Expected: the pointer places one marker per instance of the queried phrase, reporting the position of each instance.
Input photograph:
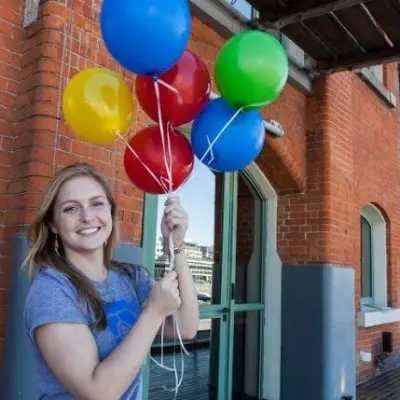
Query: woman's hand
(174, 221)
(164, 298)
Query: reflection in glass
(200, 380)
(200, 196)
(248, 247)
(246, 353)
(366, 259)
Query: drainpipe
(271, 126)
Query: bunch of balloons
(150, 38)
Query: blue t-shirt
(53, 298)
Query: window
(244, 8)
(377, 71)
(373, 258)
(374, 77)
(366, 260)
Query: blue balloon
(147, 37)
(237, 146)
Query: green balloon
(251, 69)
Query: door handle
(225, 311)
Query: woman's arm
(71, 353)
(188, 314)
(175, 223)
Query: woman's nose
(86, 214)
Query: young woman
(92, 321)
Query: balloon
(238, 145)
(97, 105)
(147, 37)
(148, 146)
(251, 69)
(191, 80)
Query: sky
(197, 197)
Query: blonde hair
(43, 252)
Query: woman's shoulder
(48, 280)
(49, 274)
(51, 298)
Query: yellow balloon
(98, 105)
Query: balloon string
(165, 84)
(159, 181)
(211, 145)
(168, 160)
(225, 127)
(168, 86)
(170, 132)
(161, 124)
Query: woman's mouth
(88, 231)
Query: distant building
(200, 259)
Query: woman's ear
(53, 228)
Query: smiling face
(82, 215)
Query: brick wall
(352, 159)
(11, 36)
(324, 168)
(376, 166)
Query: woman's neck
(90, 264)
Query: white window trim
(379, 251)
(273, 288)
(377, 313)
(377, 85)
(369, 316)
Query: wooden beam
(319, 39)
(299, 13)
(340, 24)
(377, 26)
(363, 60)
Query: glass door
(224, 252)
(247, 297)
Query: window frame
(378, 258)
(367, 300)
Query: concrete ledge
(31, 12)
(373, 317)
(381, 90)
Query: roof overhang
(337, 35)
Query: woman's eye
(98, 204)
(70, 210)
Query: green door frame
(148, 244)
(228, 259)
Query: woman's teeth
(88, 231)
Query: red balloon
(147, 144)
(190, 77)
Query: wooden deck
(196, 380)
(195, 383)
(382, 387)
